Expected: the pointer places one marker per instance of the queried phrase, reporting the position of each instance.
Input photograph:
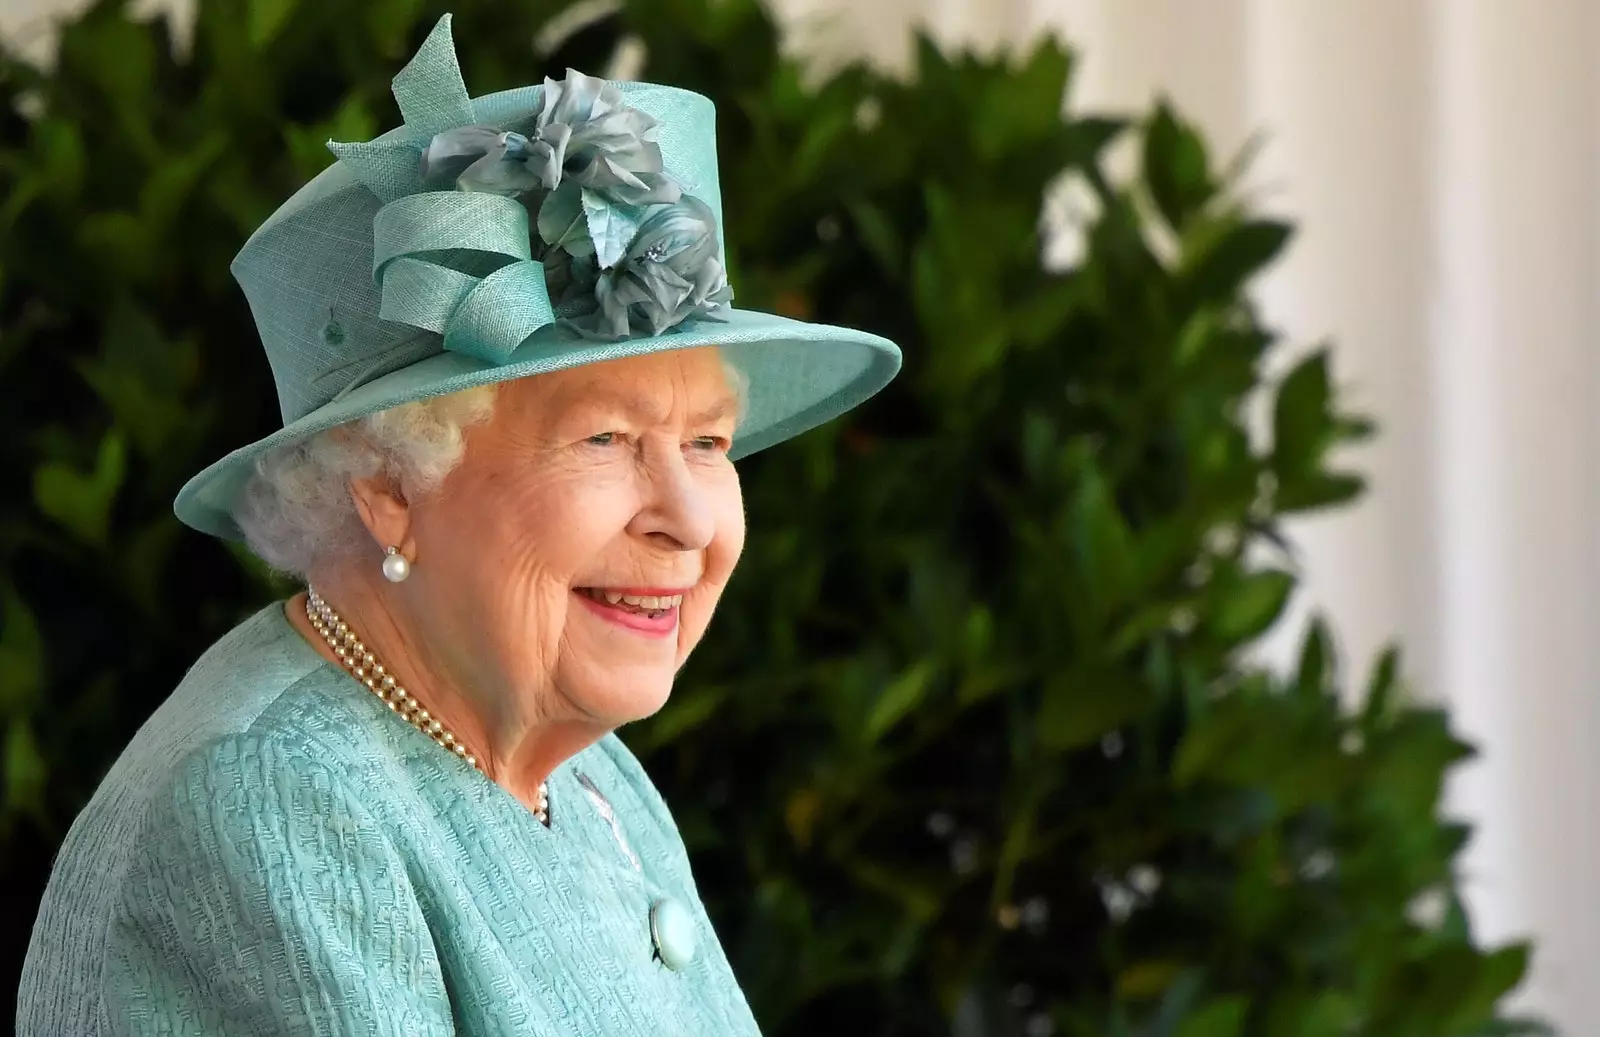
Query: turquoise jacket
(277, 853)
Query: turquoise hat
(496, 237)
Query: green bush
(975, 745)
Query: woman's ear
(384, 510)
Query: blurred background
(1439, 161)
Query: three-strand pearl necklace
(366, 668)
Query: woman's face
(586, 488)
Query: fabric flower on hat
(582, 134)
(624, 250)
(609, 147)
(669, 274)
(497, 162)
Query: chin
(622, 699)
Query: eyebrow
(727, 406)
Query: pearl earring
(395, 565)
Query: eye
(709, 443)
(602, 439)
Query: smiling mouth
(653, 606)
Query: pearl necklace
(369, 671)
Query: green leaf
(391, 24)
(879, 235)
(1496, 974)
(1221, 270)
(25, 771)
(1209, 742)
(1329, 1013)
(267, 18)
(121, 243)
(21, 656)
(1081, 707)
(986, 681)
(1104, 544)
(62, 158)
(82, 501)
(1504, 970)
(1382, 689)
(170, 189)
(1318, 490)
(145, 555)
(1198, 332)
(1015, 111)
(685, 711)
(118, 57)
(1147, 979)
(308, 145)
(1221, 1018)
(1300, 416)
(1316, 659)
(978, 635)
(900, 697)
(144, 379)
(56, 169)
(1176, 169)
(1407, 761)
(1251, 605)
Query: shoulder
(249, 802)
(258, 726)
(261, 720)
(228, 690)
(198, 744)
(254, 742)
(188, 758)
(263, 892)
(322, 759)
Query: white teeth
(651, 602)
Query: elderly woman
(513, 387)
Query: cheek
(729, 542)
(722, 554)
(727, 504)
(554, 523)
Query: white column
(29, 26)
(1129, 51)
(830, 31)
(1514, 345)
(1340, 92)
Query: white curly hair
(296, 511)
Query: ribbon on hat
(484, 316)
(621, 247)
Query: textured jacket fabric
(277, 852)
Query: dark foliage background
(975, 745)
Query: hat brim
(800, 375)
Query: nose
(677, 512)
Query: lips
(652, 612)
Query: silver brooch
(604, 807)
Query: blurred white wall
(1440, 156)
(1441, 160)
